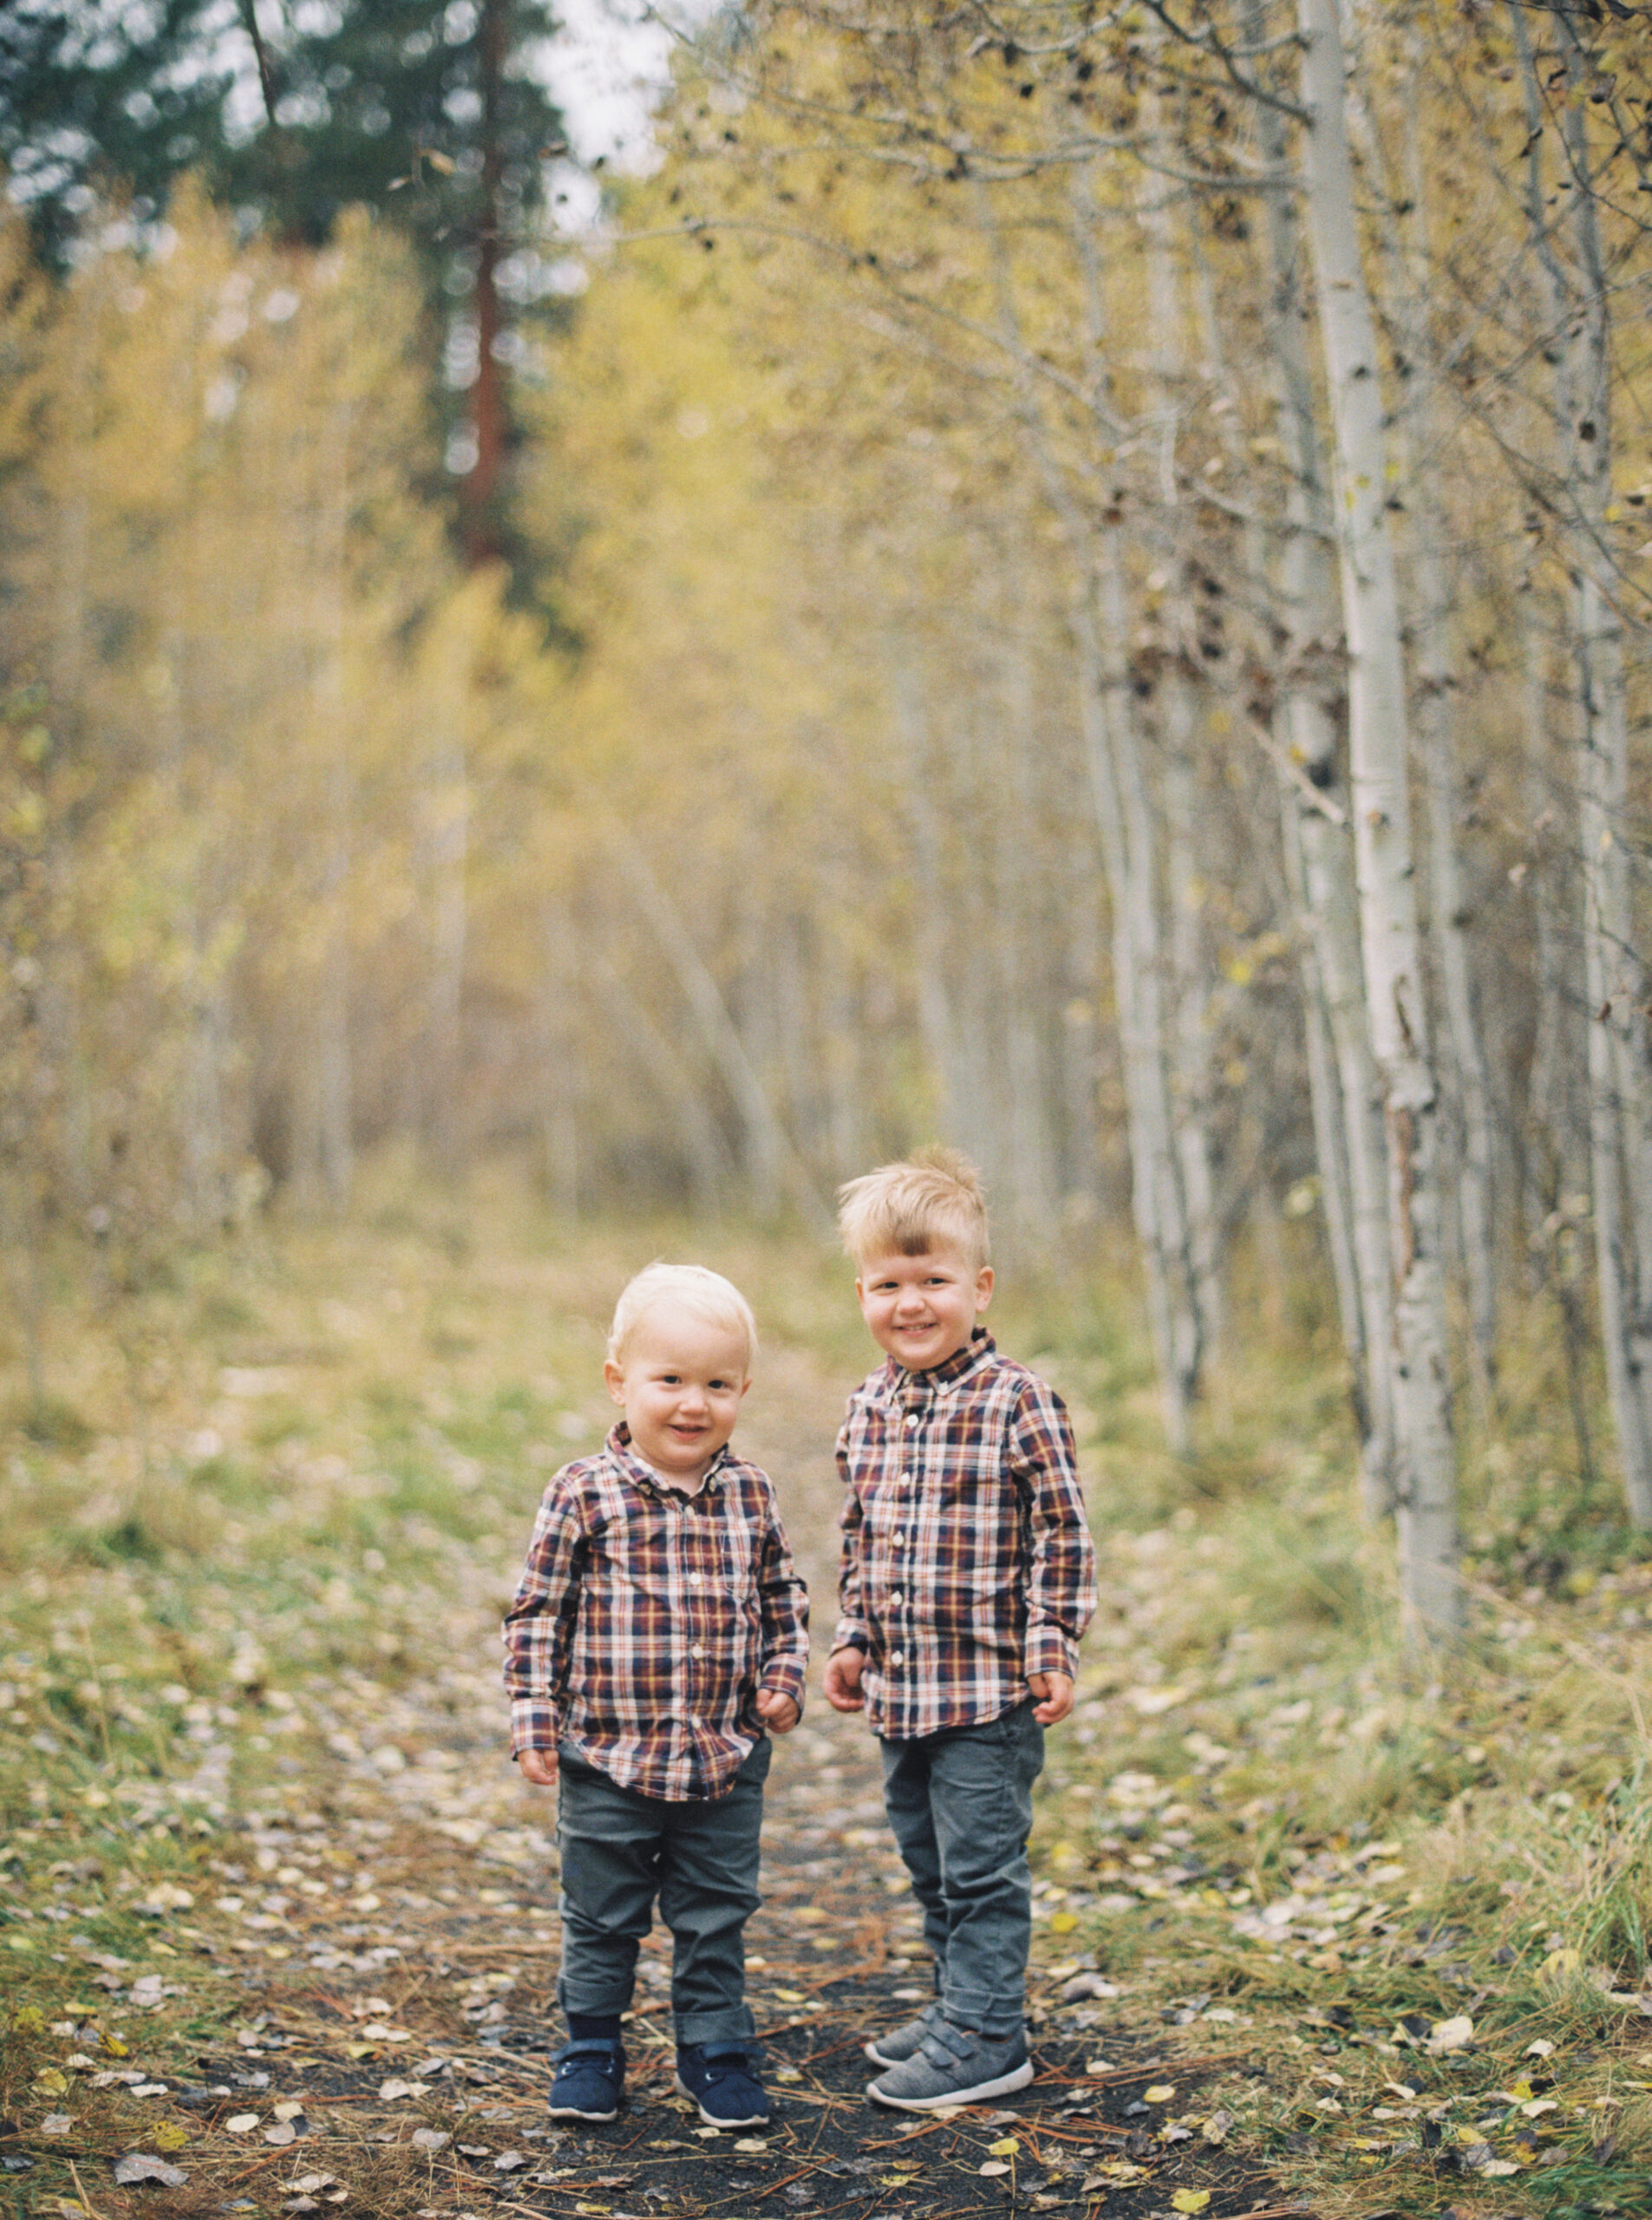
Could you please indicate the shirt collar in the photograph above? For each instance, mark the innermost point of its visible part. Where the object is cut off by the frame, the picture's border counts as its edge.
(618, 1446)
(910, 1387)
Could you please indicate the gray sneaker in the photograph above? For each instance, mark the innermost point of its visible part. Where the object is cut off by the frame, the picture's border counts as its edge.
(951, 2066)
(901, 2043)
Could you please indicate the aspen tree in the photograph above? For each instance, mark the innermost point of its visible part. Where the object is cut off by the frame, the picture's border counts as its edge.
(1390, 935)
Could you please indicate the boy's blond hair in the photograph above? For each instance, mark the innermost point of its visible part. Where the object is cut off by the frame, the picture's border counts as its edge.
(707, 1293)
(904, 1209)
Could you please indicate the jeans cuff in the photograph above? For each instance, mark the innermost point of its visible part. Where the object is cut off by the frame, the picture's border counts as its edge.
(997, 2017)
(733, 2025)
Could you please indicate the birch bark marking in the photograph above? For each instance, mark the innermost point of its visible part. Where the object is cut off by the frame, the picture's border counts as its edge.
(1348, 1110)
(1389, 931)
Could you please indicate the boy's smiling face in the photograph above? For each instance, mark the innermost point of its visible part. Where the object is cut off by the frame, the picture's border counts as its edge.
(680, 1383)
(922, 1309)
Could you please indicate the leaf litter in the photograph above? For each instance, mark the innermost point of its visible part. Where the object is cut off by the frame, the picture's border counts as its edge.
(346, 1872)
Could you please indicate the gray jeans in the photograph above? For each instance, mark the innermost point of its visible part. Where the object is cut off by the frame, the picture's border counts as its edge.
(961, 1805)
(619, 1851)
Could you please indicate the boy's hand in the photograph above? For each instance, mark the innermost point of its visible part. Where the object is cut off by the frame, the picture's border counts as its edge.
(842, 1682)
(1055, 1691)
(778, 1712)
(539, 1766)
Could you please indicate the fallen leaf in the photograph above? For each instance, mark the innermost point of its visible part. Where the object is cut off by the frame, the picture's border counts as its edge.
(281, 2133)
(1007, 2149)
(1190, 2200)
(288, 2108)
(310, 2184)
(242, 2124)
(1539, 2049)
(1218, 2127)
(753, 2143)
(509, 2162)
(390, 2091)
(992, 2167)
(1451, 2035)
(50, 2082)
(430, 2139)
(1062, 1923)
(786, 2073)
(144, 2166)
(170, 2136)
(1560, 1965)
(1160, 2093)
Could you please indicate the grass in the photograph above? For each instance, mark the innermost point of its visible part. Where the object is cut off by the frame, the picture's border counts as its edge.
(272, 1489)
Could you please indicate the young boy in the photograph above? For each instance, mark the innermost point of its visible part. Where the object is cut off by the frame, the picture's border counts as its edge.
(659, 1636)
(967, 1577)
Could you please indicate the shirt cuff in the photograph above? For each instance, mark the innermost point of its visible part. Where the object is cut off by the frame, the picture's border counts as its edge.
(785, 1677)
(1048, 1650)
(534, 1725)
(851, 1634)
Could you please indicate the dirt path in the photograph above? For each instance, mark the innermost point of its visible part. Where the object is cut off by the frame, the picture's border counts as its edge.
(385, 1918)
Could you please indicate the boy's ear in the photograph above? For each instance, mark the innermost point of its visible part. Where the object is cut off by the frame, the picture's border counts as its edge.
(983, 1287)
(614, 1380)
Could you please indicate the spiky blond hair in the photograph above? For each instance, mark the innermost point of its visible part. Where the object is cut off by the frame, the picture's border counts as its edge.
(931, 1197)
(707, 1293)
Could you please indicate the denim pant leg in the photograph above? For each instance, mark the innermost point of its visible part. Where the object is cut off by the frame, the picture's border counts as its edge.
(970, 1847)
(907, 1799)
(611, 1841)
(707, 1892)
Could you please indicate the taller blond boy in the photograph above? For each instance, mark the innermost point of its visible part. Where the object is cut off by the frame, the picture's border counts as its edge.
(967, 1578)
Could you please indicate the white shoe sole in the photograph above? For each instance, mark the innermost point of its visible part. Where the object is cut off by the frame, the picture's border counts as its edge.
(1017, 2078)
(711, 2120)
(572, 2112)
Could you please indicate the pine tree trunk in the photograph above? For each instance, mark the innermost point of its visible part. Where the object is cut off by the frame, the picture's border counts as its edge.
(1389, 931)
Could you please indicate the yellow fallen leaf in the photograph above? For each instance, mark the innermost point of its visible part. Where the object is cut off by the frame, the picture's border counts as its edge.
(1006, 2149)
(1190, 2200)
(30, 2020)
(1062, 1923)
(115, 2047)
(788, 1995)
(50, 2082)
(1560, 1965)
(1160, 2093)
(169, 2136)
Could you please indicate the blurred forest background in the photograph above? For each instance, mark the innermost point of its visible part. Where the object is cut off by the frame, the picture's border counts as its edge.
(1069, 577)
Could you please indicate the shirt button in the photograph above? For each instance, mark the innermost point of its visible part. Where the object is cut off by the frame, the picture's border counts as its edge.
(694, 1580)
(912, 1417)
(897, 1597)
(694, 1719)
(898, 1657)
(906, 1479)
(900, 1541)
(698, 1650)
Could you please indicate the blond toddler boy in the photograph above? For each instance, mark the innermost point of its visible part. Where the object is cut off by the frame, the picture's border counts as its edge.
(967, 1577)
(659, 1636)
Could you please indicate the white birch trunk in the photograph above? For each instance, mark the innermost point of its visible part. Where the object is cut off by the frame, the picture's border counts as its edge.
(1352, 1144)
(1390, 934)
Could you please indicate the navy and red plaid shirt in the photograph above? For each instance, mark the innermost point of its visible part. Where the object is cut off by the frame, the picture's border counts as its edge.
(647, 1620)
(967, 1562)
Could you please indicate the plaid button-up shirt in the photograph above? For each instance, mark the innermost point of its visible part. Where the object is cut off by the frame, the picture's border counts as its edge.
(967, 1561)
(647, 1621)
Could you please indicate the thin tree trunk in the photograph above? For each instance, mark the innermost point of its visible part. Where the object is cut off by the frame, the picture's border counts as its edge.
(1306, 720)
(558, 1051)
(1390, 935)
(717, 1029)
(1620, 1131)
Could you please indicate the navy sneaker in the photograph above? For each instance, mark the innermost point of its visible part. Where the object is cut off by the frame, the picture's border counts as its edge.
(590, 2073)
(720, 2079)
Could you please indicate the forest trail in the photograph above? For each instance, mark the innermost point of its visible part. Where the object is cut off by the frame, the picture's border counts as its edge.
(387, 1926)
